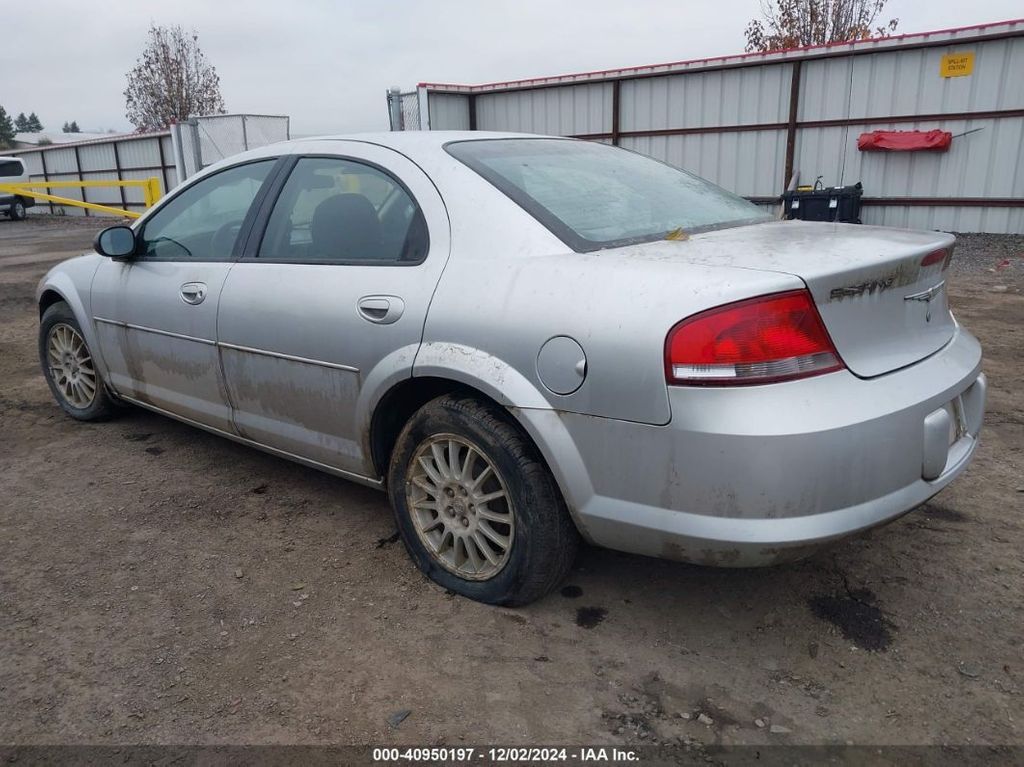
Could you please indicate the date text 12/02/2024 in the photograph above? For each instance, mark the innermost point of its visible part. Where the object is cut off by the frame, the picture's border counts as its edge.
(501, 754)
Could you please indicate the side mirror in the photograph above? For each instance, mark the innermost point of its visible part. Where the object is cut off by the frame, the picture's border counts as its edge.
(115, 242)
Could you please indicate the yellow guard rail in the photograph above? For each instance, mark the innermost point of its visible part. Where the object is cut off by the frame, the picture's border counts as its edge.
(150, 193)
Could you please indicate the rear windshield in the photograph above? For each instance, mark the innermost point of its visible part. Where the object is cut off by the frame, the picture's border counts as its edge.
(594, 196)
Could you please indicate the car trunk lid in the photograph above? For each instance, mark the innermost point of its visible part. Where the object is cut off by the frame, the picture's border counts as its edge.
(880, 291)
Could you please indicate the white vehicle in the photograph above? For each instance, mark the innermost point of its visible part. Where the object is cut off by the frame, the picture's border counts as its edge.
(12, 171)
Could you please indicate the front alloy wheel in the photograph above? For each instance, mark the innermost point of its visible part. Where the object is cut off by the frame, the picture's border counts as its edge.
(69, 368)
(70, 365)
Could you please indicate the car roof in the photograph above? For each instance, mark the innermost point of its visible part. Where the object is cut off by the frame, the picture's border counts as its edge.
(421, 138)
(422, 144)
(424, 147)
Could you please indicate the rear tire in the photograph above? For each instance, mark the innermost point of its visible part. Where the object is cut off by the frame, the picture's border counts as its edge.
(69, 368)
(477, 508)
(17, 211)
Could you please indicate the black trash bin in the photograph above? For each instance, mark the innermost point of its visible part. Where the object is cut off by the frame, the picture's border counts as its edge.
(836, 203)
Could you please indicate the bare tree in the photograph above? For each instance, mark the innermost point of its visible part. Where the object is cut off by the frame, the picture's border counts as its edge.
(795, 23)
(171, 81)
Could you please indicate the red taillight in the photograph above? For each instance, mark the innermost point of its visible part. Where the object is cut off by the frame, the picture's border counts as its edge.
(935, 257)
(760, 340)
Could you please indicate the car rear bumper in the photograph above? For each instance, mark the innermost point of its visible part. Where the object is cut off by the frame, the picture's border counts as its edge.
(751, 476)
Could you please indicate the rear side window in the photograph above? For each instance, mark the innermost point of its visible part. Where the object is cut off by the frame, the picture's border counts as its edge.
(338, 210)
(10, 168)
(594, 196)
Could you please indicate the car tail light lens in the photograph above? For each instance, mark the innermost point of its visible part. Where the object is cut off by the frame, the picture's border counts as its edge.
(770, 338)
(935, 257)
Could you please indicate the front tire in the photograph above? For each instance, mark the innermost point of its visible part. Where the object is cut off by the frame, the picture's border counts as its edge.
(17, 211)
(477, 509)
(69, 368)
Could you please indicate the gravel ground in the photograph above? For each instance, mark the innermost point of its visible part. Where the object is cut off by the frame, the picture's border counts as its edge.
(162, 585)
(998, 254)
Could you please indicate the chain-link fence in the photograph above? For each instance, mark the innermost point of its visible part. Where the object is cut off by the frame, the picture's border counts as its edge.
(202, 141)
(404, 110)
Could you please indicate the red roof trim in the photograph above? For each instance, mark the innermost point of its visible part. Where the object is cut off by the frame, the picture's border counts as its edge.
(708, 60)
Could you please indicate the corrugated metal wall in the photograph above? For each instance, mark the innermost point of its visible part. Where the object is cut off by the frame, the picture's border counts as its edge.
(451, 111)
(569, 111)
(729, 120)
(121, 157)
(748, 162)
(984, 163)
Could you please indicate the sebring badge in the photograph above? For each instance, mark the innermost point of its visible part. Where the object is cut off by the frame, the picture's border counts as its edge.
(927, 296)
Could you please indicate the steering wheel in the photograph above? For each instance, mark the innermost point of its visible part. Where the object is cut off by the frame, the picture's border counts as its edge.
(224, 238)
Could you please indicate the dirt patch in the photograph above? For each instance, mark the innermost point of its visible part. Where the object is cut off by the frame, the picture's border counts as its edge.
(934, 511)
(382, 542)
(856, 615)
(589, 617)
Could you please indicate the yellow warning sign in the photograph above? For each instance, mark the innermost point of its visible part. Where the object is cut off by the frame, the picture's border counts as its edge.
(957, 64)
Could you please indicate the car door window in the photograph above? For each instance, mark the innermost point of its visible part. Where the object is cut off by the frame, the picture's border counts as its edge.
(203, 222)
(10, 168)
(337, 210)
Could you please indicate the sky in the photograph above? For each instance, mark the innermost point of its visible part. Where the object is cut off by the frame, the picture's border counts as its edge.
(329, 64)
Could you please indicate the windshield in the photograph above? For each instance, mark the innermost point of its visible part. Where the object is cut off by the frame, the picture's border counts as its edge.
(594, 196)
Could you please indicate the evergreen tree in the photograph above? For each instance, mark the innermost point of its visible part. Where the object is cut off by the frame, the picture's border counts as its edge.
(6, 130)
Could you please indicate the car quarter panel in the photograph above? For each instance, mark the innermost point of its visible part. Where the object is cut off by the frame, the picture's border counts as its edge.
(618, 308)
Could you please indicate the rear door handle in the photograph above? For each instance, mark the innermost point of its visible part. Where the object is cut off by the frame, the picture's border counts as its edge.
(381, 310)
(193, 292)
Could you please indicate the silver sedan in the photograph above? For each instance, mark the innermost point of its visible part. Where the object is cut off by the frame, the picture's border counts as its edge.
(527, 341)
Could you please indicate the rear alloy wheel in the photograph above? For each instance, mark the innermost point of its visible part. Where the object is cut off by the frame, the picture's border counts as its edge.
(17, 210)
(69, 368)
(460, 507)
(476, 507)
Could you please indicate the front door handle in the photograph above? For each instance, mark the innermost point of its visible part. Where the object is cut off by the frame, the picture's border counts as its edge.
(193, 292)
(381, 310)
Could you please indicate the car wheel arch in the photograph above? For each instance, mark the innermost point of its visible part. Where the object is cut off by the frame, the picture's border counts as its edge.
(63, 284)
(541, 427)
(48, 298)
(398, 404)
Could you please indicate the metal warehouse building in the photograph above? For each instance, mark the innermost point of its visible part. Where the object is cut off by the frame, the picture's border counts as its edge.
(170, 156)
(748, 121)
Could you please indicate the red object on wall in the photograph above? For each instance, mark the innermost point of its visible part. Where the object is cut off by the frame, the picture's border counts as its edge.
(905, 141)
